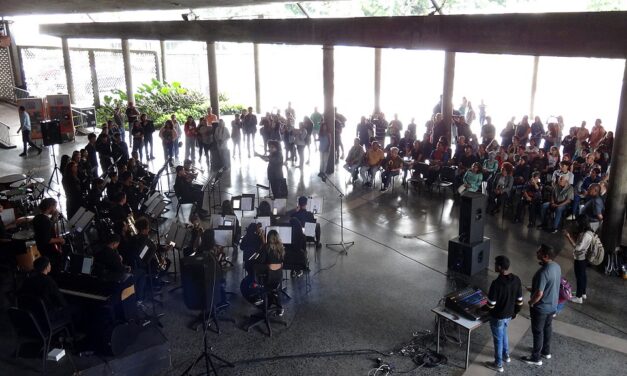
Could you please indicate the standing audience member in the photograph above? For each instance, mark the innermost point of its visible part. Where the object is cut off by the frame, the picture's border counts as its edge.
(190, 138)
(236, 135)
(544, 290)
(250, 128)
(149, 128)
(179, 133)
(581, 242)
(25, 128)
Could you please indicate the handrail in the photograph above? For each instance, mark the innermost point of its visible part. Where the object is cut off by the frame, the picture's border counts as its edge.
(4, 124)
(78, 112)
(20, 89)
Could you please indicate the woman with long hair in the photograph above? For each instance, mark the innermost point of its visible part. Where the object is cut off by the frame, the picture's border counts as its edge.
(168, 136)
(583, 235)
(273, 254)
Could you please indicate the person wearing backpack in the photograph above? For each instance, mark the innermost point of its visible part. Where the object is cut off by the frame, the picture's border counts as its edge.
(584, 236)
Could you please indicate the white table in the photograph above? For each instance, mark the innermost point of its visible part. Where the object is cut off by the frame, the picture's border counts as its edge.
(457, 319)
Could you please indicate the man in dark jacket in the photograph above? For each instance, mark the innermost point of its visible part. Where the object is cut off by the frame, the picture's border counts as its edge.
(504, 301)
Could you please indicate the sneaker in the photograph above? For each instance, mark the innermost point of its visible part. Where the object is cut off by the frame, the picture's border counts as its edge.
(280, 312)
(584, 296)
(546, 356)
(493, 366)
(554, 231)
(39, 151)
(318, 245)
(383, 189)
(299, 274)
(507, 358)
(577, 300)
(530, 360)
(23, 154)
(571, 217)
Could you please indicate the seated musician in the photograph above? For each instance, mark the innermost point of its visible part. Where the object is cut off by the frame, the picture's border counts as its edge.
(94, 196)
(185, 190)
(272, 255)
(114, 185)
(48, 242)
(40, 285)
(154, 262)
(134, 190)
(119, 211)
(296, 251)
(108, 261)
(305, 216)
(392, 166)
(251, 243)
(188, 165)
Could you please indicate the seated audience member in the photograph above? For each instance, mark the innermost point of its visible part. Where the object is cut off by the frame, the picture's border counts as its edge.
(372, 162)
(561, 198)
(594, 206)
(500, 188)
(305, 216)
(405, 145)
(41, 285)
(521, 171)
(438, 158)
(296, 251)
(354, 159)
(582, 192)
(393, 144)
(472, 179)
(531, 197)
(490, 165)
(539, 162)
(563, 170)
(392, 166)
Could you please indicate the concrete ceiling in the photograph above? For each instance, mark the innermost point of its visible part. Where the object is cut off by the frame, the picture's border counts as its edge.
(27, 7)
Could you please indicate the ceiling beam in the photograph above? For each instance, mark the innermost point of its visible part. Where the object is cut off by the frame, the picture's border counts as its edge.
(598, 34)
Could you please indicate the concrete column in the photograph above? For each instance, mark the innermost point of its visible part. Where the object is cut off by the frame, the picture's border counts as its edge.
(257, 79)
(94, 77)
(617, 188)
(447, 90)
(128, 76)
(67, 66)
(162, 47)
(213, 78)
(534, 85)
(328, 86)
(377, 80)
(16, 61)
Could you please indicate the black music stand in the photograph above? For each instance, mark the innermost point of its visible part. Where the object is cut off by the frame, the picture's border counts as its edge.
(344, 246)
(55, 171)
(155, 316)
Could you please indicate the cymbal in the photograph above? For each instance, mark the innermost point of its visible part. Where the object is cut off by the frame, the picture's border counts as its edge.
(7, 179)
(25, 182)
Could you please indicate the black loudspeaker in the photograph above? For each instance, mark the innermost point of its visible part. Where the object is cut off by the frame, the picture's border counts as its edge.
(199, 276)
(472, 217)
(467, 258)
(51, 132)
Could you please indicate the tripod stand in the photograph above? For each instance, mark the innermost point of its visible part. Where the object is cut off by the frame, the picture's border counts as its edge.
(344, 246)
(55, 171)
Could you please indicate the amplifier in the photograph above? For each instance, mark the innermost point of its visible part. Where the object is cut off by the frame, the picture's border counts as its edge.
(468, 302)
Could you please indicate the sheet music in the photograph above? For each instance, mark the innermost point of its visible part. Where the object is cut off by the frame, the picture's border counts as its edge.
(314, 204)
(8, 216)
(143, 252)
(153, 204)
(246, 221)
(151, 199)
(280, 204)
(237, 203)
(310, 229)
(248, 203)
(265, 221)
(216, 220)
(285, 233)
(87, 263)
(223, 237)
(84, 220)
(158, 209)
(79, 213)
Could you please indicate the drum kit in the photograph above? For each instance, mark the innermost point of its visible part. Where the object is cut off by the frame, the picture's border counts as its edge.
(19, 199)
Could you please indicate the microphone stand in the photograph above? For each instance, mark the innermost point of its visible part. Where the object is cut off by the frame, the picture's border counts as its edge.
(344, 246)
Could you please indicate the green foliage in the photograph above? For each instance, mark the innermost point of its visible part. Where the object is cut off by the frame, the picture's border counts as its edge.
(158, 100)
(227, 108)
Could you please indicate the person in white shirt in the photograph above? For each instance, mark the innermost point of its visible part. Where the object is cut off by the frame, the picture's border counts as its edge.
(25, 128)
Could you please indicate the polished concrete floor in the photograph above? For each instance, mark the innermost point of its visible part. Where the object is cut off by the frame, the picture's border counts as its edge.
(381, 292)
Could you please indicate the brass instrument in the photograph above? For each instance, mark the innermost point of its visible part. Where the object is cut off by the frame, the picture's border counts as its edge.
(130, 223)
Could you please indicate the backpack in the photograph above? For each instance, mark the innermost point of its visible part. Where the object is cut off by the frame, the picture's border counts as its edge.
(596, 252)
(566, 291)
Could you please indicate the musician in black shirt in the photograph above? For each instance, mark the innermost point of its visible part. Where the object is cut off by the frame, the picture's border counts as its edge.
(505, 300)
(114, 185)
(185, 190)
(119, 149)
(119, 211)
(108, 260)
(134, 193)
(304, 216)
(42, 286)
(48, 242)
(72, 188)
(91, 154)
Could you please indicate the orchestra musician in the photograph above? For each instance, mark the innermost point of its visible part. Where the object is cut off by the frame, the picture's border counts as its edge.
(72, 188)
(40, 285)
(187, 192)
(46, 237)
(119, 211)
(134, 191)
(154, 263)
(109, 264)
(114, 185)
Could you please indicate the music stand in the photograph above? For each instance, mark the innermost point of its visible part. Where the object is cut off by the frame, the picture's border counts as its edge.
(55, 171)
(344, 246)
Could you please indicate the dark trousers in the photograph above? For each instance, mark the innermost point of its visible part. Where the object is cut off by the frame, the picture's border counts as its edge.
(542, 330)
(581, 276)
(534, 208)
(148, 140)
(27, 140)
(138, 146)
(301, 155)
